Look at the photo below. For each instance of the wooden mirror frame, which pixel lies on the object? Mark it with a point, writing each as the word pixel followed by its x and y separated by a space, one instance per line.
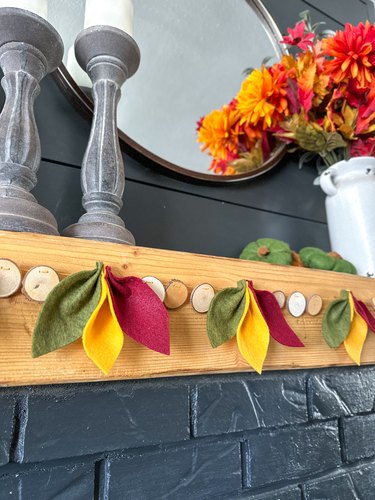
pixel 85 106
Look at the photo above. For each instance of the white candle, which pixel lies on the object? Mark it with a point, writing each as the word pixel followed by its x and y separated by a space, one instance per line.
pixel 117 13
pixel 76 72
pixel 37 6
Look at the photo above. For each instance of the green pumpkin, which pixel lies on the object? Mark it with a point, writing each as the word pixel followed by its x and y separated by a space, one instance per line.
pixel 268 250
pixel 319 259
pixel 344 266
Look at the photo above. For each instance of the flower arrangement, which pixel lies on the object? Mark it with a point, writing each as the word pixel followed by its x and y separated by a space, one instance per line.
pixel 321 101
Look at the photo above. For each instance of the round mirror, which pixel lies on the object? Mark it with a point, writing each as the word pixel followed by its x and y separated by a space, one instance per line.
pixel 193 57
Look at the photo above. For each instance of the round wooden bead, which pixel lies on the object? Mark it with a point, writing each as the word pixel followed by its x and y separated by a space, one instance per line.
pixel 201 297
pixel 314 305
pixel 297 304
pixel 38 282
pixel 156 286
pixel 280 297
pixel 10 278
pixel 176 294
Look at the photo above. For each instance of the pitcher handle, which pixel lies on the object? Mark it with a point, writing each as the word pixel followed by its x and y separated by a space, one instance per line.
pixel 327 181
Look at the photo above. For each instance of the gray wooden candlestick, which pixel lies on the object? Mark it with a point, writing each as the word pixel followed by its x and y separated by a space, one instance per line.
pixel 109 56
pixel 29 49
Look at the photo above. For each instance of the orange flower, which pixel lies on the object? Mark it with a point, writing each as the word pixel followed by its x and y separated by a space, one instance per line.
pixel 262 98
pixel 219 132
pixel 353 52
pixel 221 167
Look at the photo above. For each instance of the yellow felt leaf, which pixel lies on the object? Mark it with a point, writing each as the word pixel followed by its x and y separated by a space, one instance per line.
pixel 253 335
pixel 102 336
pixel 357 334
pixel 246 308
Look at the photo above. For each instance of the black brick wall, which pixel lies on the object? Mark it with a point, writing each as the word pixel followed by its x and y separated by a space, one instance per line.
pixel 286 436
pixel 304 435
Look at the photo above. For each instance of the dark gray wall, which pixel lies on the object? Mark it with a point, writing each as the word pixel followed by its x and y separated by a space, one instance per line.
pixel 291 435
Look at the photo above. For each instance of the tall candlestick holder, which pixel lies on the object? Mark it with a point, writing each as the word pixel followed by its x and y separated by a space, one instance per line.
pixel 29 49
pixel 109 56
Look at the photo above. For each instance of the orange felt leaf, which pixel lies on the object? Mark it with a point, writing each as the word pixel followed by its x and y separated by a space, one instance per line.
pixel 357 334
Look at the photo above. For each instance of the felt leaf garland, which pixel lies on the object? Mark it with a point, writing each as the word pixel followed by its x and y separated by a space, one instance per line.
pixel 225 313
pixel 347 321
pixel 336 320
pixel 253 315
pixel 66 311
pixel 253 334
pixel 102 336
pixel 357 334
pixel 140 312
pixel 100 307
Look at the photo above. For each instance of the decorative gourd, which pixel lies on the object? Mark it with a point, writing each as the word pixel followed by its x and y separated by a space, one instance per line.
pixel 319 259
pixel 268 250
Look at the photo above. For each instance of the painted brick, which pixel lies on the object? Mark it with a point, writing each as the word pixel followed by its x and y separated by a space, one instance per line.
pixel 291 453
pixel 359 437
pixel 9 488
pixel 87 421
pixel 248 403
pixel 197 471
pixel 292 493
pixel 339 487
pixel 354 485
pixel 6 427
pixel 62 482
pixel 289 493
pixel 341 393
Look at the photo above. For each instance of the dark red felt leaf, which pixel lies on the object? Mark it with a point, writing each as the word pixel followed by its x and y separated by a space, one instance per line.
pixel 279 328
pixel 139 311
pixel 364 312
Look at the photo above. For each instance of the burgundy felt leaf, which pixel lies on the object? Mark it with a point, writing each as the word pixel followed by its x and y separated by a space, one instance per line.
pixel 139 311
pixel 279 328
pixel 364 312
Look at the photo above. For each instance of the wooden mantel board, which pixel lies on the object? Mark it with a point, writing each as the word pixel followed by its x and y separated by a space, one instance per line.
pixel 191 352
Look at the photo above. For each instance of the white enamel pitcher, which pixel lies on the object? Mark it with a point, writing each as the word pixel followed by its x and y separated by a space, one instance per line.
pixel 350 206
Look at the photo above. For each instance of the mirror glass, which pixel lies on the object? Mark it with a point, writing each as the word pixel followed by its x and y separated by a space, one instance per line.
pixel 193 57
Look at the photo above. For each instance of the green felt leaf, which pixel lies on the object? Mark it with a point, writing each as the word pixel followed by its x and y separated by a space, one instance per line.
pixel 66 311
pixel 268 250
pixel 225 312
pixel 336 320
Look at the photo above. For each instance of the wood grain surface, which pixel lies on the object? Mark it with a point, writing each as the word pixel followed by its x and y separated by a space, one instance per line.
pixel 191 352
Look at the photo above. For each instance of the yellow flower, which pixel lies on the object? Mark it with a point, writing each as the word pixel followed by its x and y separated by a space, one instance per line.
pixel 219 132
pixel 261 98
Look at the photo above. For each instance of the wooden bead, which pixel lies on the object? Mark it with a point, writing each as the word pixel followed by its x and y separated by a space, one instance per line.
pixel 176 294
pixel 38 282
pixel 314 305
pixel 10 278
pixel 297 304
pixel 156 286
pixel 201 297
pixel 280 297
